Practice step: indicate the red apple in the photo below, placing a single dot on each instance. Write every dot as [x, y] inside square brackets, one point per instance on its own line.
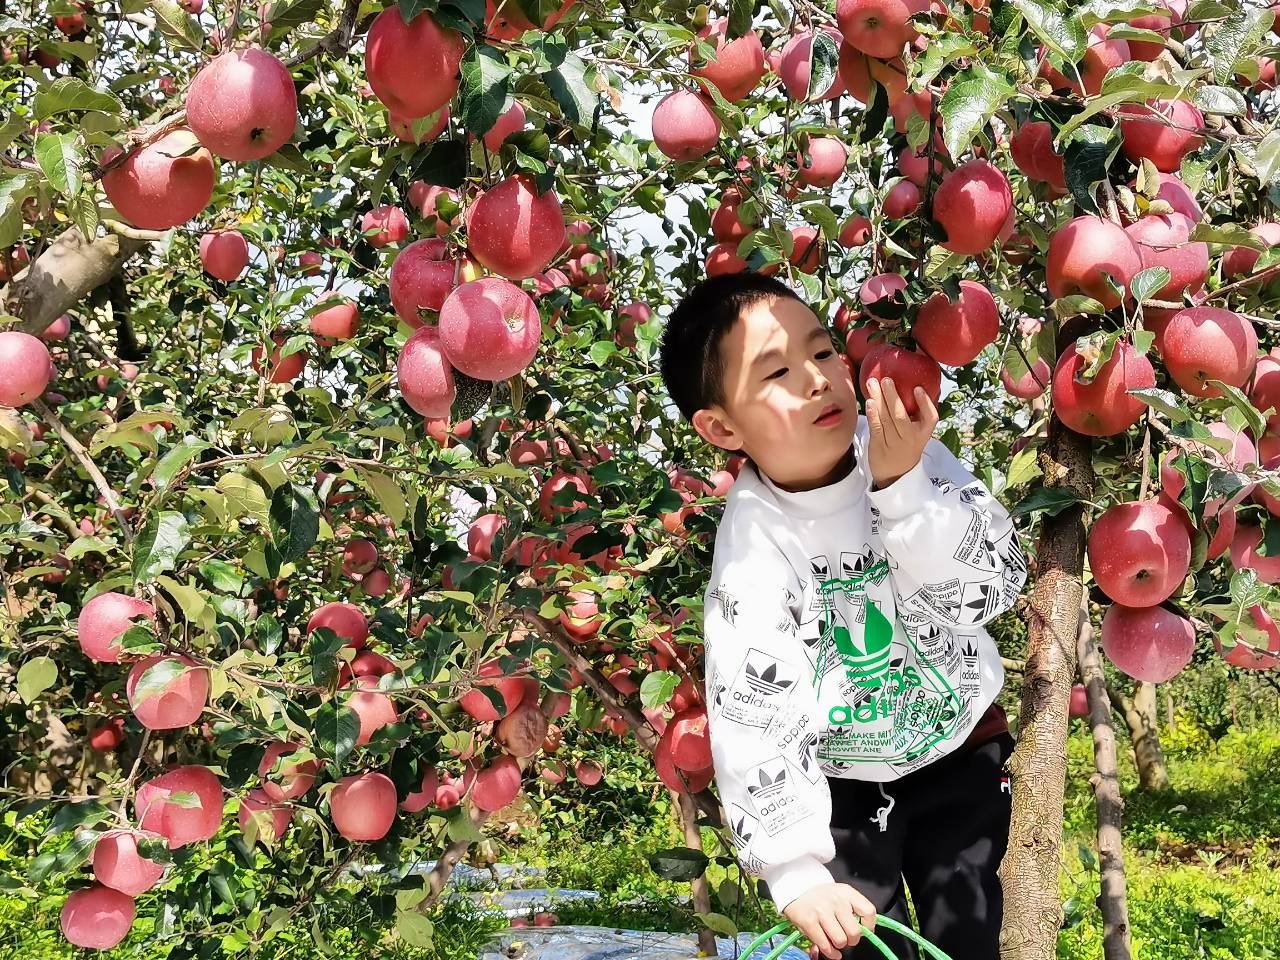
[856, 232]
[178, 703]
[117, 863]
[513, 230]
[424, 374]
[97, 917]
[1031, 384]
[1139, 553]
[25, 368]
[224, 254]
[795, 66]
[1082, 251]
[1103, 406]
[1162, 141]
[588, 772]
[242, 105]
[412, 67]
[373, 707]
[902, 200]
[1241, 260]
[108, 735]
[512, 121]
[1165, 241]
[429, 127]
[194, 814]
[337, 322]
[878, 28]
[1208, 343]
[384, 226]
[343, 619]
[294, 778]
[279, 368]
[1032, 150]
[907, 368]
[955, 333]
[1079, 701]
[738, 64]
[272, 818]
[489, 329]
[162, 185]
[821, 162]
[363, 805]
[104, 619]
[480, 535]
[1245, 554]
[1150, 644]
[684, 127]
[1100, 56]
[723, 258]
[971, 205]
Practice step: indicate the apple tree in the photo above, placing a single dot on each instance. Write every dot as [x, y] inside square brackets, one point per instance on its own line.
[340, 486]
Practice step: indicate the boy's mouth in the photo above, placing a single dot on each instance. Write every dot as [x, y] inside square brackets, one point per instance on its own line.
[831, 414]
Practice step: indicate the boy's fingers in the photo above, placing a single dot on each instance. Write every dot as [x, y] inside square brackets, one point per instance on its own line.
[928, 412]
[834, 931]
[897, 412]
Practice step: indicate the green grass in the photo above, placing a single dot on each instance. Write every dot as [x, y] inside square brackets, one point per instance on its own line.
[1203, 864]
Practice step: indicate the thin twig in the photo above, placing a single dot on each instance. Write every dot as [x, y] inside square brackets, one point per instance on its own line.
[82, 455]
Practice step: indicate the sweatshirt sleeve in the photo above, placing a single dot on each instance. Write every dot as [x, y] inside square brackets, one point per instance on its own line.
[764, 726]
[954, 554]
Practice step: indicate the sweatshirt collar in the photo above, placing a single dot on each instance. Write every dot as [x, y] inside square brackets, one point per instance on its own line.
[827, 500]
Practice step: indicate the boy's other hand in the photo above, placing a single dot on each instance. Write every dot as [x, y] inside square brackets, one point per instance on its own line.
[896, 440]
[832, 916]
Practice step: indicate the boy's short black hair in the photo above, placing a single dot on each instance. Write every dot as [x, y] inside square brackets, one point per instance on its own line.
[692, 368]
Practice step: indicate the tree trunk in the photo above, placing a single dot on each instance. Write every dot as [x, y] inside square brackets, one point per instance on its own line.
[1113, 899]
[1141, 716]
[1030, 873]
[688, 814]
[64, 275]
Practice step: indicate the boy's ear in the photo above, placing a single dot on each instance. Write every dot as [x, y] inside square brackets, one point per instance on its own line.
[716, 427]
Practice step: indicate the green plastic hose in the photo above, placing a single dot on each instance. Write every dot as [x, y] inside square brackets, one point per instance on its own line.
[887, 923]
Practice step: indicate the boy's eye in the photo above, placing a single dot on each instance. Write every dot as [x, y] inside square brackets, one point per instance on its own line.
[777, 373]
[823, 354]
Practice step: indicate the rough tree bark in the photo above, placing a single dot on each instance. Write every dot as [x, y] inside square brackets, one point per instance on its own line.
[1140, 713]
[688, 814]
[1113, 898]
[1032, 864]
[67, 272]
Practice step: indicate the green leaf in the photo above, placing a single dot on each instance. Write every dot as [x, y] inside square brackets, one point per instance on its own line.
[1065, 36]
[824, 57]
[174, 23]
[1230, 234]
[1256, 422]
[1165, 401]
[680, 864]
[1048, 500]
[1223, 101]
[84, 214]
[269, 633]
[295, 521]
[1231, 40]
[289, 157]
[1086, 160]
[285, 15]
[415, 929]
[719, 923]
[1266, 159]
[72, 815]
[1147, 283]
[175, 459]
[389, 494]
[72, 93]
[156, 549]
[486, 83]
[601, 351]
[336, 730]
[156, 679]
[35, 677]
[568, 85]
[444, 164]
[969, 103]
[245, 497]
[190, 600]
[657, 688]
[61, 161]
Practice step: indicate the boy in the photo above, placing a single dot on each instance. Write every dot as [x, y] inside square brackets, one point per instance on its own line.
[857, 747]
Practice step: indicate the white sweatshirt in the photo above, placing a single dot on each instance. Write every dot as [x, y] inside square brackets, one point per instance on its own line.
[843, 637]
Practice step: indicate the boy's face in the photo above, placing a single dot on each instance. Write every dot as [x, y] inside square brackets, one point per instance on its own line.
[789, 402]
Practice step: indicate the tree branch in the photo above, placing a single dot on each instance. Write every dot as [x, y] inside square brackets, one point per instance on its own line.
[77, 450]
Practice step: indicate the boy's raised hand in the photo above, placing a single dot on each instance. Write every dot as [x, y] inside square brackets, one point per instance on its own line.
[896, 440]
[832, 916]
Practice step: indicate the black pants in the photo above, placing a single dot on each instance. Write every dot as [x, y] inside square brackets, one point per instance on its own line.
[944, 837]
